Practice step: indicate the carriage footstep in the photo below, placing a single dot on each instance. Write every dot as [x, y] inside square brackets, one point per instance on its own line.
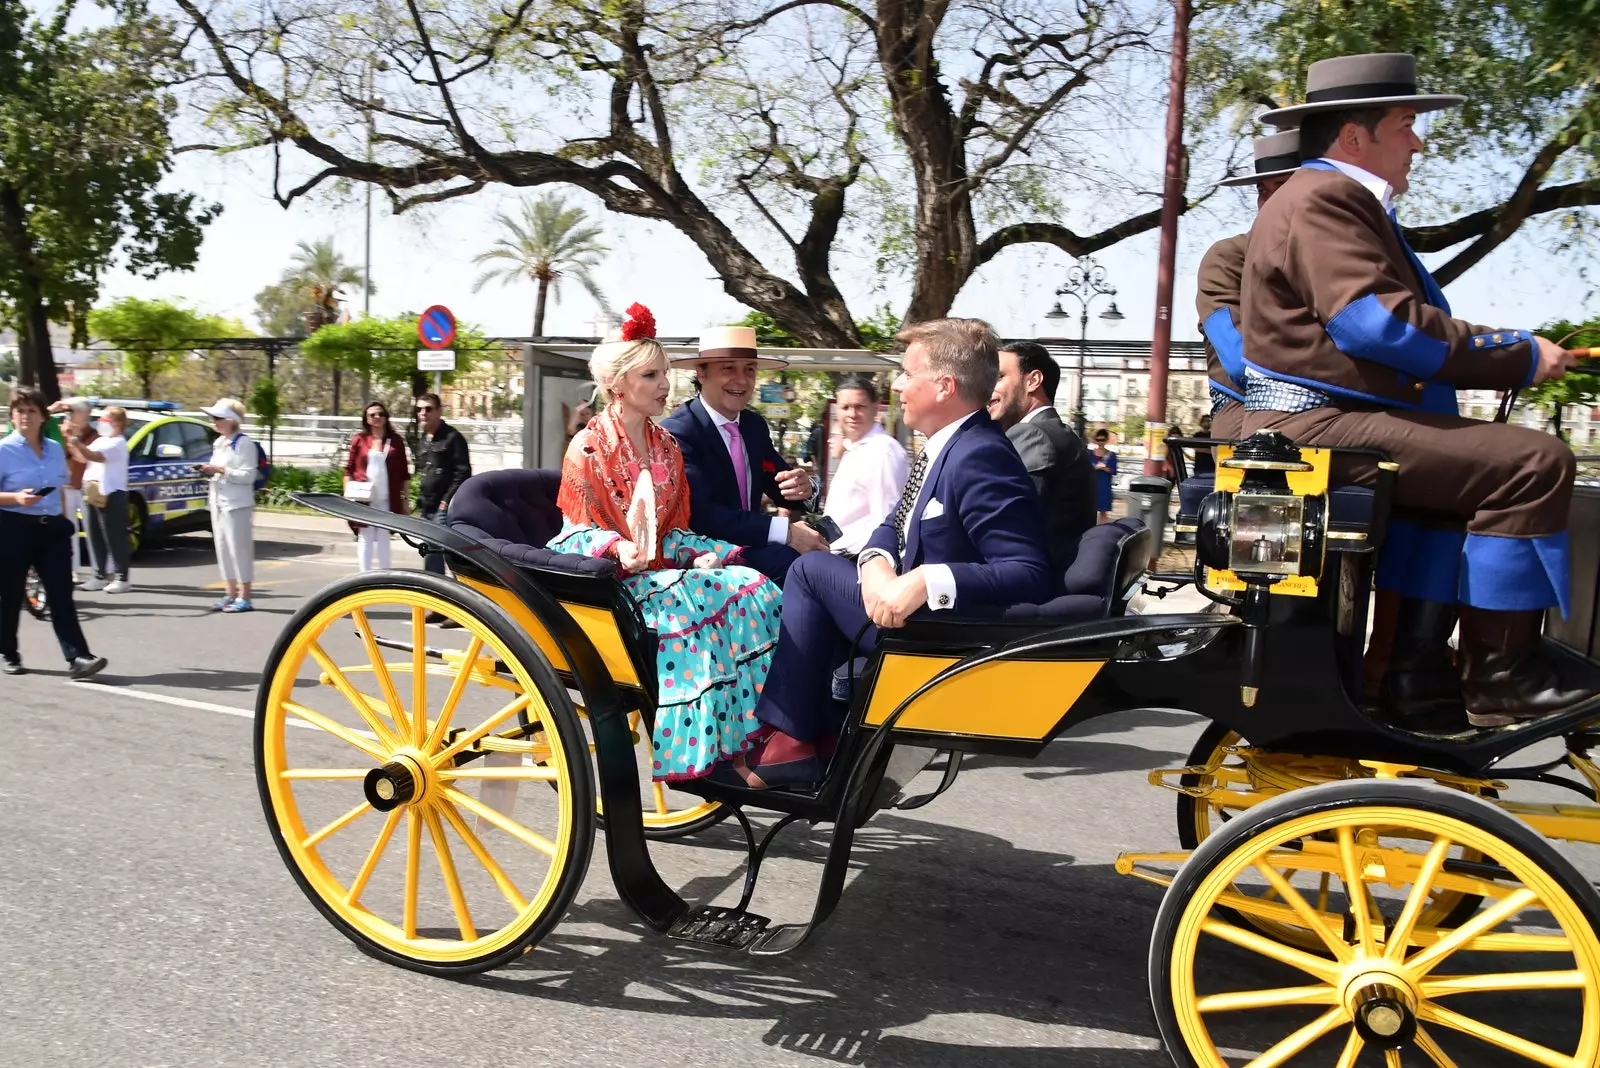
[714, 926]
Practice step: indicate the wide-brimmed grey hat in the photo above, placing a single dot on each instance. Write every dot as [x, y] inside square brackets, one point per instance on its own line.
[1277, 155]
[1375, 80]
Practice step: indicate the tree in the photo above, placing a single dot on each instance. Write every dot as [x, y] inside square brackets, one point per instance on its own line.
[152, 334]
[268, 412]
[84, 146]
[9, 366]
[385, 348]
[304, 298]
[1580, 387]
[550, 242]
[1526, 144]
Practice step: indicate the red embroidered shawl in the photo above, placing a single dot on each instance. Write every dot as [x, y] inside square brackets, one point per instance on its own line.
[601, 467]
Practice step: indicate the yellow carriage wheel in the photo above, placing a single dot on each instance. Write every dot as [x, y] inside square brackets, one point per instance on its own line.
[373, 733]
[1200, 817]
[1517, 984]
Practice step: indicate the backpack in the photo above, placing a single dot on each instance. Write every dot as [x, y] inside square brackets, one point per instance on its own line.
[263, 465]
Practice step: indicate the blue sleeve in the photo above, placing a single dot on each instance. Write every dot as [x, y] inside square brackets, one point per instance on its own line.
[1000, 510]
[1224, 337]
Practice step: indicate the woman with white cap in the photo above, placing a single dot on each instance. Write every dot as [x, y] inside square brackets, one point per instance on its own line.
[235, 462]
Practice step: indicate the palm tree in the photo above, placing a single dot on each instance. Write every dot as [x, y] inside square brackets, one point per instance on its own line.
[315, 274]
[548, 243]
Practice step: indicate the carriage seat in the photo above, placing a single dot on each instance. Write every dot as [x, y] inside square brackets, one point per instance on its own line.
[514, 513]
[1349, 506]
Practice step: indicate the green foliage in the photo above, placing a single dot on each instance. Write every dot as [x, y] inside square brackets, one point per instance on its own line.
[550, 242]
[282, 307]
[84, 148]
[385, 347]
[264, 402]
[8, 365]
[151, 334]
[768, 332]
[285, 480]
[1579, 388]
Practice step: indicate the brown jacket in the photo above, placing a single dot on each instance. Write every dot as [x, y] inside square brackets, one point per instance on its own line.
[1221, 269]
[1331, 300]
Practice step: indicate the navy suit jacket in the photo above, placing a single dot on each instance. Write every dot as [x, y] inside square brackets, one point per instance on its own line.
[714, 506]
[992, 532]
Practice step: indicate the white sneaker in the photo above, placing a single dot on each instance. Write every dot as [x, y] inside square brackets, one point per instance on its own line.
[119, 585]
[93, 582]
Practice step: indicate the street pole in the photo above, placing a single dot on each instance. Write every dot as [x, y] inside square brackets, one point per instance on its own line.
[1081, 417]
[1155, 427]
[366, 292]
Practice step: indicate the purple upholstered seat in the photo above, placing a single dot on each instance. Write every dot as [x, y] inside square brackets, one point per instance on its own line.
[514, 513]
[1109, 557]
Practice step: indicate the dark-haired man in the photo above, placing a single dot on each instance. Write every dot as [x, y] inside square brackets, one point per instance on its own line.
[871, 467]
[1024, 405]
[443, 463]
[1346, 337]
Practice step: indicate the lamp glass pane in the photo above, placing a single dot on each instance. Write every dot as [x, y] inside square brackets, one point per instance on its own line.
[1266, 534]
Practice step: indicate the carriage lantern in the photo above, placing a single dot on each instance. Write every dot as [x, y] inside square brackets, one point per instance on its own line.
[1266, 532]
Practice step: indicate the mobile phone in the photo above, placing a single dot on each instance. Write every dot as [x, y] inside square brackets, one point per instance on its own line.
[44, 491]
[825, 526]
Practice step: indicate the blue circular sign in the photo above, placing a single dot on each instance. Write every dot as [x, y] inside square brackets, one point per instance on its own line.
[437, 327]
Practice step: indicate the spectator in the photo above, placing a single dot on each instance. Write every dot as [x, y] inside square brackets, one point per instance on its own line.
[1104, 462]
[376, 473]
[35, 533]
[79, 428]
[1205, 463]
[105, 491]
[1169, 467]
[871, 471]
[235, 463]
[443, 463]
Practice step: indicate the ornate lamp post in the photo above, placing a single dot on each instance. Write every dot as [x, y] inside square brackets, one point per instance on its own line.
[1085, 281]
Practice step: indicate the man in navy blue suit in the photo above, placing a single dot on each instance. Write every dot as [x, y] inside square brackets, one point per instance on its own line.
[729, 460]
[968, 537]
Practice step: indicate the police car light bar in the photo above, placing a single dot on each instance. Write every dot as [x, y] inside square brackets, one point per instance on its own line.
[140, 405]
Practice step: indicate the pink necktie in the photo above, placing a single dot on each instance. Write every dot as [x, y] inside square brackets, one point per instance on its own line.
[741, 466]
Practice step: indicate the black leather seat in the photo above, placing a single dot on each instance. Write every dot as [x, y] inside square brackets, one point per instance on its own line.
[514, 513]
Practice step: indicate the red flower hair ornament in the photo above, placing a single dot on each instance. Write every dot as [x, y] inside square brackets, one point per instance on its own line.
[638, 324]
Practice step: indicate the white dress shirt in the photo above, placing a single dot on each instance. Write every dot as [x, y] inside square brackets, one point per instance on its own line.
[866, 487]
[938, 578]
[1029, 417]
[1375, 185]
[778, 531]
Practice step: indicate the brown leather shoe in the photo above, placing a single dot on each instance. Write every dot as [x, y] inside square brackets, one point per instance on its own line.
[1421, 690]
[1509, 678]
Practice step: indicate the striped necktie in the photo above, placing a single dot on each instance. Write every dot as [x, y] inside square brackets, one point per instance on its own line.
[908, 497]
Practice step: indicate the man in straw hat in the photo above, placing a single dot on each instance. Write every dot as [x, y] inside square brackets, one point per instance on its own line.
[1348, 341]
[1277, 155]
[729, 459]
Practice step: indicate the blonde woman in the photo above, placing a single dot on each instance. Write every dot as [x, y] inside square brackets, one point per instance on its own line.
[624, 497]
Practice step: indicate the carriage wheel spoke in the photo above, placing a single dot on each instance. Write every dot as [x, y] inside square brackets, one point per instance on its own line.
[510, 826]
[1352, 1050]
[471, 738]
[413, 863]
[374, 854]
[508, 889]
[380, 670]
[1297, 1042]
[322, 773]
[1323, 969]
[1391, 1059]
[338, 730]
[661, 798]
[1243, 1000]
[458, 686]
[518, 771]
[1421, 893]
[1427, 1045]
[1493, 1036]
[1445, 985]
[1293, 898]
[362, 703]
[1355, 889]
[419, 676]
[1322, 891]
[1427, 959]
[337, 825]
[447, 868]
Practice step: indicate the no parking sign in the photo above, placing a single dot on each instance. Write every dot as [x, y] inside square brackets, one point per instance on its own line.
[436, 327]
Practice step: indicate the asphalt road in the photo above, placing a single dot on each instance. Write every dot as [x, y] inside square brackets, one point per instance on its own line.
[147, 920]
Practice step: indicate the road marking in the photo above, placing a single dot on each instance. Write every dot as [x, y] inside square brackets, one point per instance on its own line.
[203, 706]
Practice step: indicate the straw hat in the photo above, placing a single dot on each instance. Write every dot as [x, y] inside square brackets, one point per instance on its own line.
[1374, 80]
[1277, 155]
[730, 343]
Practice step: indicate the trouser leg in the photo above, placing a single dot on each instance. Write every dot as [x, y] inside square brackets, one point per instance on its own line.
[52, 559]
[77, 511]
[434, 562]
[97, 541]
[235, 544]
[1228, 423]
[16, 555]
[116, 531]
[822, 613]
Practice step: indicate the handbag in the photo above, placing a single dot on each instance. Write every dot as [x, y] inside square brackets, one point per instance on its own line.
[92, 495]
[358, 491]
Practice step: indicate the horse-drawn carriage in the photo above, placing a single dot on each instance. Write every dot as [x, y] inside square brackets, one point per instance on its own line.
[1360, 893]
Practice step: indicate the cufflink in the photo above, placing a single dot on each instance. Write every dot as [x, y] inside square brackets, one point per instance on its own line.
[944, 600]
[1420, 386]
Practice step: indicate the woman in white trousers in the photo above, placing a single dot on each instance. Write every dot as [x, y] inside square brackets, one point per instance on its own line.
[235, 462]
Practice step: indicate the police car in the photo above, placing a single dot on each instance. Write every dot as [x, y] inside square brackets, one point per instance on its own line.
[166, 495]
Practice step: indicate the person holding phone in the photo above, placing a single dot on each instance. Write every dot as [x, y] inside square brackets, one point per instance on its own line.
[36, 533]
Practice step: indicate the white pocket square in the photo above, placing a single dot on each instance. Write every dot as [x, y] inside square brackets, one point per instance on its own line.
[933, 509]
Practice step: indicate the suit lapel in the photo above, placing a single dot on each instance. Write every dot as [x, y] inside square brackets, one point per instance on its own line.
[1430, 288]
[930, 486]
[723, 460]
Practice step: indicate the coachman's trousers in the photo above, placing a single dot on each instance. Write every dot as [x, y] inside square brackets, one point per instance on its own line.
[1510, 486]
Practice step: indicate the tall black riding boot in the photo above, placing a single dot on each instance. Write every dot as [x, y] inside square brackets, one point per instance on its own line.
[1422, 688]
[1508, 675]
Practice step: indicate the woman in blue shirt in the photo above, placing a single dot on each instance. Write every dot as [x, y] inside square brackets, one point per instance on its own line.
[1104, 462]
[35, 533]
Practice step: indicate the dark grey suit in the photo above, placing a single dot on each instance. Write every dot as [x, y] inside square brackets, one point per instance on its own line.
[1059, 464]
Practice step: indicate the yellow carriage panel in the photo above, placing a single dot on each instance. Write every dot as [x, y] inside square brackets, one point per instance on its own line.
[1011, 699]
[597, 623]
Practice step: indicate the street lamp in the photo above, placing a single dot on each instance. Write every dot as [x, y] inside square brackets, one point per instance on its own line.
[1085, 281]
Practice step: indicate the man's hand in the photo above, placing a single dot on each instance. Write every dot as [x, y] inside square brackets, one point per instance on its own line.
[795, 485]
[895, 600]
[805, 539]
[876, 575]
[629, 556]
[1554, 361]
[212, 469]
